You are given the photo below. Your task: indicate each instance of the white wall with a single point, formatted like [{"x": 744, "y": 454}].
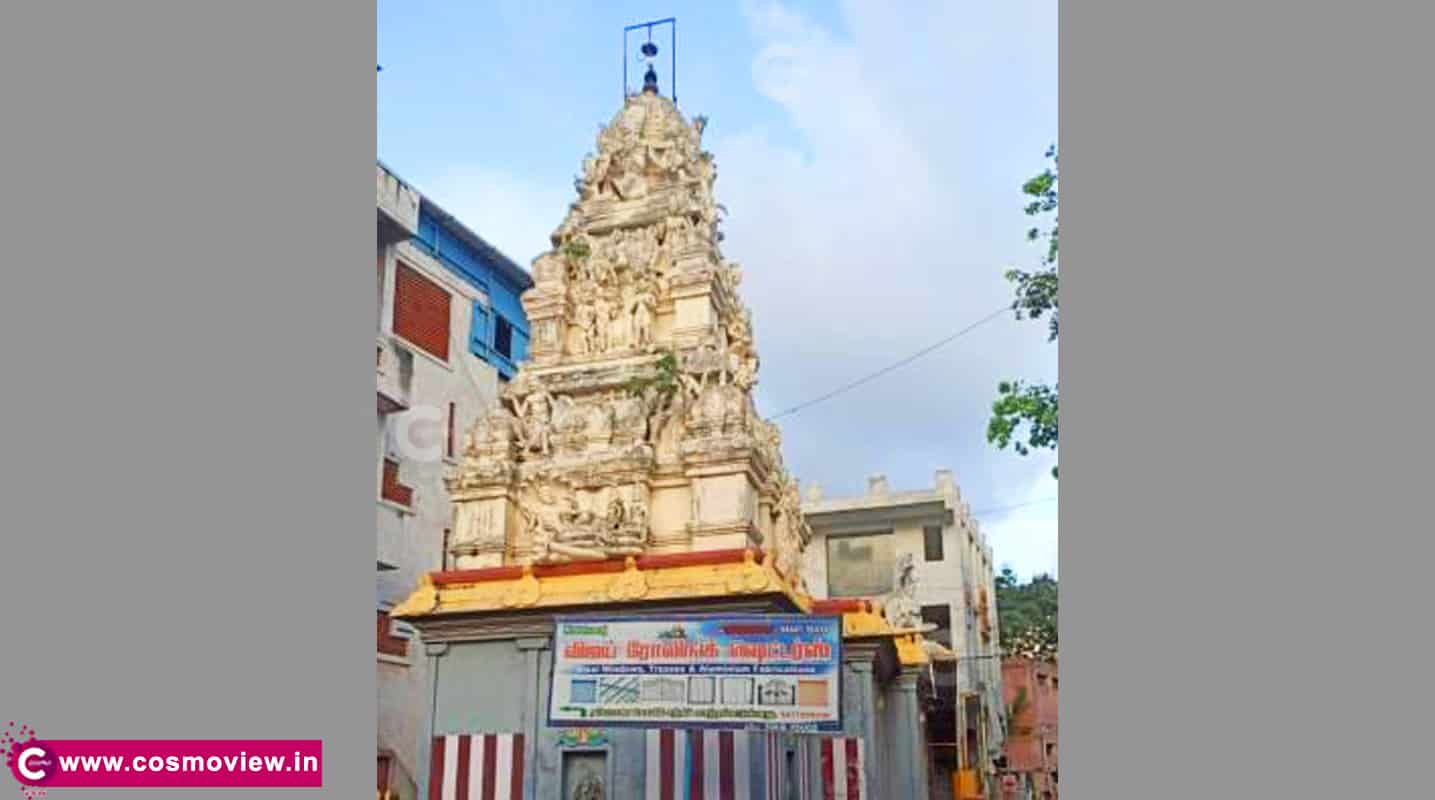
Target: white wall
[
  {"x": 412, "y": 539},
  {"x": 967, "y": 561}
]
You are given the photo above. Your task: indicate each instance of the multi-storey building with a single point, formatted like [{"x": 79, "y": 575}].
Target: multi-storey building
[
  {"x": 1030, "y": 687},
  {"x": 859, "y": 546},
  {"x": 450, "y": 328}
]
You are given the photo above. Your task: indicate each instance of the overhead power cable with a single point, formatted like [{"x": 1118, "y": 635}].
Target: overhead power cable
[
  {"x": 902, "y": 363},
  {"x": 990, "y": 511}
]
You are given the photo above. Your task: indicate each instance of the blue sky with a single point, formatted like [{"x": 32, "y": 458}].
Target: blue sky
[{"x": 870, "y": 156}]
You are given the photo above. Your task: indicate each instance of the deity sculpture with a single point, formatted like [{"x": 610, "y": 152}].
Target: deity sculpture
[
  {"x": 599, "y": 323},
  {"x": 589, "y": 788},
  {"x": 535, "y": 412},
  {"x": 707, "y": 361},
  {"x": 543, "y": 521},
  {"x": 745, "y": 373},
  {"x": 587, "y": 341},
  {"x": 616, "y": 511},
  {"x": 641, "y": 311},
  {"x": 567, "y": 529},
  {"x": 617, "y": 326},
  {"x": 900, "y": 607}
]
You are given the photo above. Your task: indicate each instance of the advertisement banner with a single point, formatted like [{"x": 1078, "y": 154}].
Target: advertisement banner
[{"x": 754, "y": 672}]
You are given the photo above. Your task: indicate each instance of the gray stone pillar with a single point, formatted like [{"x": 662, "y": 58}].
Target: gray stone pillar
[
  {"x": 860, "y": 701},
  {"x": 906, "y": 743},
  {"x": 433, "y": 651},
  {"x": 536, "y": 710}
]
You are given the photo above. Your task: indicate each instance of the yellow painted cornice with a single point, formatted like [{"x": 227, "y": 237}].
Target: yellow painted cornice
[
  {"x": 690, "y": 576},
  {"x": 597, "y": 584}
]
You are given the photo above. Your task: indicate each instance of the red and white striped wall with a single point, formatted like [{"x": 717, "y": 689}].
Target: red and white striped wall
[
  {"x": 479, "y": 766},
  {"x": 700, "y": 765},
  {"x": 844, "y": 770},
  {"x": 717, "y": 765}
]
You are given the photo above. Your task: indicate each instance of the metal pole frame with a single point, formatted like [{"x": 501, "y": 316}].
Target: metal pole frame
[{"x": 672, "y": 22}]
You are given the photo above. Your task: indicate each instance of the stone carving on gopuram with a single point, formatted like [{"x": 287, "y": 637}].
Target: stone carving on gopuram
[{"x": 631, "y": 430}]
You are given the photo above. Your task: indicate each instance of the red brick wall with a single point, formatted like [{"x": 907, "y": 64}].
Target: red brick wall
[
  {"x": 421, "y": 314},
  {"x": 1035, "y": 727}
]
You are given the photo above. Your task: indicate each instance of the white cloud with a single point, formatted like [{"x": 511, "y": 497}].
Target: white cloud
[{"x": 876, "y": 220}]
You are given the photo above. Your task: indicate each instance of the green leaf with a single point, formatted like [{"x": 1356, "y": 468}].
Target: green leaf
[{"x": 1033, "y": 408}]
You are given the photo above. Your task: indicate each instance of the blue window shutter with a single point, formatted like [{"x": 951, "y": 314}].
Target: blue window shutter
[
  {"x": 479, "y": 335},
  {"x": 506, "y": 302},
  {"x": 520, "y": 345},
  {"x": 427, "y": 232}
]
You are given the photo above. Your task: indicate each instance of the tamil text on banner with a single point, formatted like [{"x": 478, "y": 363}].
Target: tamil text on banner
[{"x": 767, "y": 672}]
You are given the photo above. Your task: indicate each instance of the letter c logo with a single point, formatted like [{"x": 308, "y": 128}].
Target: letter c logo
[
  {"x": 418, "y": 434},
  {"x": 22, "y": 763}
]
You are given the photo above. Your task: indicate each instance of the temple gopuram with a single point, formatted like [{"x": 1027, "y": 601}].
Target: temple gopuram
[{"x": 625, "y": 471}]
